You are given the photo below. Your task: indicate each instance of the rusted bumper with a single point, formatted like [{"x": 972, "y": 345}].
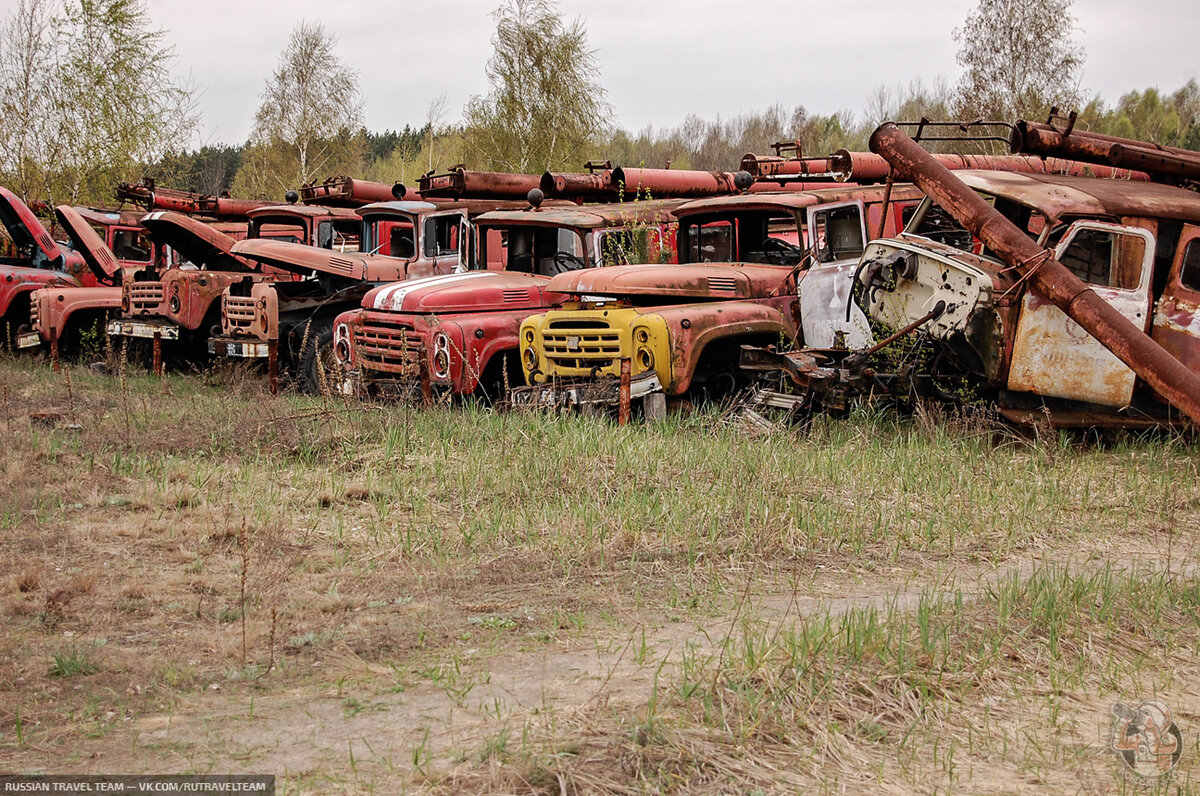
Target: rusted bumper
[
  {"x": 585, "y": 392},
  {"x": 29, "y": 340},
  {"x": 122, "y": 327},
  {"x": 239, "y": 347}
]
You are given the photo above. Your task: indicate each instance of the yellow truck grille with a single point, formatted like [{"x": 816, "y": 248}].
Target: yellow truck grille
[
  {"x": 388, "y": 346},
  {"x": 239, "y": 314},
  {"x": 146, "y": 296},
  {"x": 581, "y": 343}
]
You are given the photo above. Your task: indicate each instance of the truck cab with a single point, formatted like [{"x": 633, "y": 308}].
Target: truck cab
[
  {"x": 36, "y": 260},
  {"x": 1135, "y": 244},
  {"x": 179, "y": 304},
  {"x": 293, "y": 322},
  {"x": 457, "y": 334},
  {"x": 680, "y": 329}
]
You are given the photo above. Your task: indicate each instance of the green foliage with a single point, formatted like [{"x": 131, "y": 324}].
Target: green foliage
[
  {"x": 1018, "y": 58},
  {"x": 309, "y": 125},
  {"x": 1150, "y": 115},
  {"x": 546, "y": 109},
  {"x": 87, "y": 98},
  {"x": 719, "y": 145},
  {"x": 406, "y": 143},
  {"x": 208, "y": 170}
]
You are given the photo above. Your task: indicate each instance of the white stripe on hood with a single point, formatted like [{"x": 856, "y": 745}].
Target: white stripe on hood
[{"x": 392, "y": 297}]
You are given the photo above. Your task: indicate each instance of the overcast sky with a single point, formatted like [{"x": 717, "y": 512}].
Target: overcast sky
[{"x": 659, "y": 59}]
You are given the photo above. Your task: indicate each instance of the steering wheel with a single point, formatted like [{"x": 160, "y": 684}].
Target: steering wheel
[
  {"x": 781, "y": 252},
  {"x": 565, "y": 261}
]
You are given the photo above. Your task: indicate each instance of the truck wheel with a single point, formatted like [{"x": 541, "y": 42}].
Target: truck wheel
[{"x": 318, "y": 368}]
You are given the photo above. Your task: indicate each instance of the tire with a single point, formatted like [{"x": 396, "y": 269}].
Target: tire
[{"x": 318, "y": 370}]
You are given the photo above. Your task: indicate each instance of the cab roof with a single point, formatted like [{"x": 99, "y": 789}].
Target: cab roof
[
  {"x": 587, "y": 216},
  {"x": 793, "y": 200},
  {"x": 408, "y": 207},
  {"x": 1056, "y": 196},
  {"x": 312, "y": 211}
]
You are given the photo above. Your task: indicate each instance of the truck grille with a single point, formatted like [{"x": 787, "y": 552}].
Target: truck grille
[
  {"x": 34, "y": 313},
  {"x": 388, "y": 346},
  {"x": 581, "y": 344},
  {"x": 146, "y": 297},
  {"x": 239, "y": 314}
]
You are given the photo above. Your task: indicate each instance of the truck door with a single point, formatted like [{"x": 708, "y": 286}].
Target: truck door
[
  {"x": 440, "y": 247},
  {"x": 466, "y": 246},
  {"x": 1177, "y": 314},
  {"x": 1052, "y": 354},
  {"x": 836, "y": 235}
]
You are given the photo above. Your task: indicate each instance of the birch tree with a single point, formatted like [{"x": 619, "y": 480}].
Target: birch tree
[
  {"x": 1019, "y": 59},
  {"x": 546, "y": 108},
  {"x": 309, "y": 125}
]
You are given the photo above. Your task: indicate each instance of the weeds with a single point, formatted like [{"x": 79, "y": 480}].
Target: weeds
[
  {"x": 73, "y": 661},
  {"x": 834, "y": 603}
]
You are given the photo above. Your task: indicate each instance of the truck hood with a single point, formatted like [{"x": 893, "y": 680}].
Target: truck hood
[
  {"x": 301, "y": 259},
  {"x": 476, "y": 291},
  {"x": 95, "y": 252},
  {"x": 196, "y": 241},
  {"x": 36, "y": 276},
  {"x": 710, "y": 281},
  {"x": 23, "y": 226}
]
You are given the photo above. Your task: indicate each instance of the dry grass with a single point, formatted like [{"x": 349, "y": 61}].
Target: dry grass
[{"x": 363, "y": 596}]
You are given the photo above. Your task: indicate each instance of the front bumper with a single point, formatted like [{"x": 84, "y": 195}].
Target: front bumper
[
  {"x": 585, "y": 392},
  {"x": 29, "y": 340},
  {"x": 164, "y": 330},
  {"x": 231, "y": 347}
]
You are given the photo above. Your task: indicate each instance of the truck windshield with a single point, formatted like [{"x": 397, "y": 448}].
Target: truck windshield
[
  {"x": 755, "y": 237},
  {"x": 532, "y": 250},
  {"x": 390, "y": 236}
]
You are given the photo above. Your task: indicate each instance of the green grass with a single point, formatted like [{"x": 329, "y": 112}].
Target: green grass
[
  {"x": 73, "y": 661},
  {"x": 931, "y": 603}
]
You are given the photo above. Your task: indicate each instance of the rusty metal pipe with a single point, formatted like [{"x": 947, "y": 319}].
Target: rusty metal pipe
[
  {"x": 1049, "y": 133},
  {"x": 1104, "y": 151},
  {"x": 464, "y": 184},
  {"x": 623, "y": 401},
  {"x": 273, "y": 366},
  {"x": 345, "y": 192},
  {"x": 1150, "y": 361},
  {"x": 581, "y": 185},
  {"x": 870, "y": 167},
  {"x": 1155, "y": 161},
  {"x": 671, "y": 183}
]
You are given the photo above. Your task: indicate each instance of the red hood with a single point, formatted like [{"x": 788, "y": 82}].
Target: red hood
[
  {"x": 719, "y": 281},
  {"x": 197, "y": 242},
  {"x": 36, "y": 276},
  {"x": 301, "y": 259},
  {"x": 94, "y": 250},
  {"x": 476, "y": 291},
  {"x": 23, "y": 226}
]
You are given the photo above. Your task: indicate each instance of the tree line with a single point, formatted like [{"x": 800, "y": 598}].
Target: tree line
[{"x": 87, "y": 99}]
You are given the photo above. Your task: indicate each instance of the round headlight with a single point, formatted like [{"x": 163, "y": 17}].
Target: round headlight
[
  {"x": 342, "y": 351},
  {"x": 175, "y": 304},
  {"x": 529, "y": 357},
  {"x": 529, "y": 335},
  {"x": 642, "y": 335},
  {"x": 644, "y": 358},
  {"x": 124, "y": 302},
  {"x": 441, "y": 356}
]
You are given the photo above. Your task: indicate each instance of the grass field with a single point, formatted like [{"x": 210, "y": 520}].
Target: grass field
[{"x": 198, "y": 577}]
